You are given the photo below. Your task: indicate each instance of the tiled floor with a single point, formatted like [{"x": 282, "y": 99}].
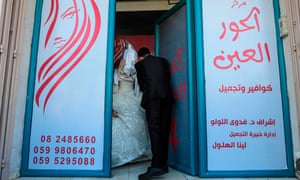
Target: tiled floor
[{"x": 131, "y": 172}]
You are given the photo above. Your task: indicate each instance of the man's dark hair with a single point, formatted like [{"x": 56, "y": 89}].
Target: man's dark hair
[{"x": 143, "y": 52}]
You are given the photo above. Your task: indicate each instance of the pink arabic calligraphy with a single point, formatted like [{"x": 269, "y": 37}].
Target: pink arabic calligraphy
[
  {"x": 180, "y": 92},
  {"x": 244, "y": 24},
  {"x": 236, "y": 3},
  {"x": 176, "y": 63},
  {"x": 242, "y": 89},
  {"x": 226, "y": 61},
  {"x": 173, "y": 140}
]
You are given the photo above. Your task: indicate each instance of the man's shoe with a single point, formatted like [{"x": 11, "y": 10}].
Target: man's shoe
[
  {"x": 153, "y": 172},
  {"x": 165, "y": 167}
]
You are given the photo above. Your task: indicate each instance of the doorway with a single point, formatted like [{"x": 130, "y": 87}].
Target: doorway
[
  {"x": 134, "y": 29},
  {"x": 170, "y": 31}
]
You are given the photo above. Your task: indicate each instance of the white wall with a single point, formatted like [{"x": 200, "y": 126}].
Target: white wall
[
  {"x": 291, "y": 87},
  {"x": 0, "y": 6},
  {"x": 16, "y": 150}
]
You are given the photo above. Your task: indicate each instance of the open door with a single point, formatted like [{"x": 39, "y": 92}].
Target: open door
[
  {"x": 174, "y": 42},
  {"x": 239, "y": 85}
]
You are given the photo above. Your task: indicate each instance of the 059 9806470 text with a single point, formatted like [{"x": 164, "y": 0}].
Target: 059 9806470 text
[{"x": 64, "y": 150}]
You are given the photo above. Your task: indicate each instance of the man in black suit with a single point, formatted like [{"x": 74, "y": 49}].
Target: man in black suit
[{"x": 153, "y": 75}]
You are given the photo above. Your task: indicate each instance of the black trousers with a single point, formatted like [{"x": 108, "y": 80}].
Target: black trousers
[{"x": 158, "y": 116}]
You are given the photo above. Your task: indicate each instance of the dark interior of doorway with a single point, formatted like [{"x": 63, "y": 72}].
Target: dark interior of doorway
[{"x": 136, "y": 23}]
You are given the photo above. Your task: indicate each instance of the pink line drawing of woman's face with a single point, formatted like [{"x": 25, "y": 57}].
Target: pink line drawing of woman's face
[
  {"x": 61, "y": 15},
  {"x": 67, "y": 17},
  {"x": 72, "y": 27}
]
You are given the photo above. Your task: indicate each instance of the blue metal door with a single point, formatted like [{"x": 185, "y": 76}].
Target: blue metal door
[{"x": 174, "y": 42}]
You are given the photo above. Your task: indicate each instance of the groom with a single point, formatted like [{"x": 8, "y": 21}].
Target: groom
[{"x": 154, "y": 79}]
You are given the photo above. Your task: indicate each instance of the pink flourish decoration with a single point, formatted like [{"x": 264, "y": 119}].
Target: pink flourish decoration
[{"x": 51, "y": 74}]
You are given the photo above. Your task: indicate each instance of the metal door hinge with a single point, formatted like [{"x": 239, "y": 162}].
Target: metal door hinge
[
  {"x": 294, "y": 47},
  {"x": 2, "y": 164},
  {"x": 1, "y": 48},
  {"x": 15, "y": 54}
]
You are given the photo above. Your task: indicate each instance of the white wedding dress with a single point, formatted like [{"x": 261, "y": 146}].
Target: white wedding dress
[{"x": 130, "y": 137}]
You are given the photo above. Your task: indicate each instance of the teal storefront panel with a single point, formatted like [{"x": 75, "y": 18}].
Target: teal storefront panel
[
  {"x": 174, "y": 41},
  {"x": 243, "y": 112},
  {"x": 67, "y": 129}
]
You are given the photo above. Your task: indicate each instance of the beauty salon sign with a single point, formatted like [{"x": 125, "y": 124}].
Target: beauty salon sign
[
  {"x": 244, "y": 108},
  {"x": 67, "y": 123}
]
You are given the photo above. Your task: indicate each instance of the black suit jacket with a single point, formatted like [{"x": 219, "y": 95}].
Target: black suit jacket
[{"x": 153, "y": 75}]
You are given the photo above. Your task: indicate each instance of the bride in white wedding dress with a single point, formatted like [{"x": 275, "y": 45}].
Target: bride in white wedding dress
[{"x": 130, "y": 139}]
